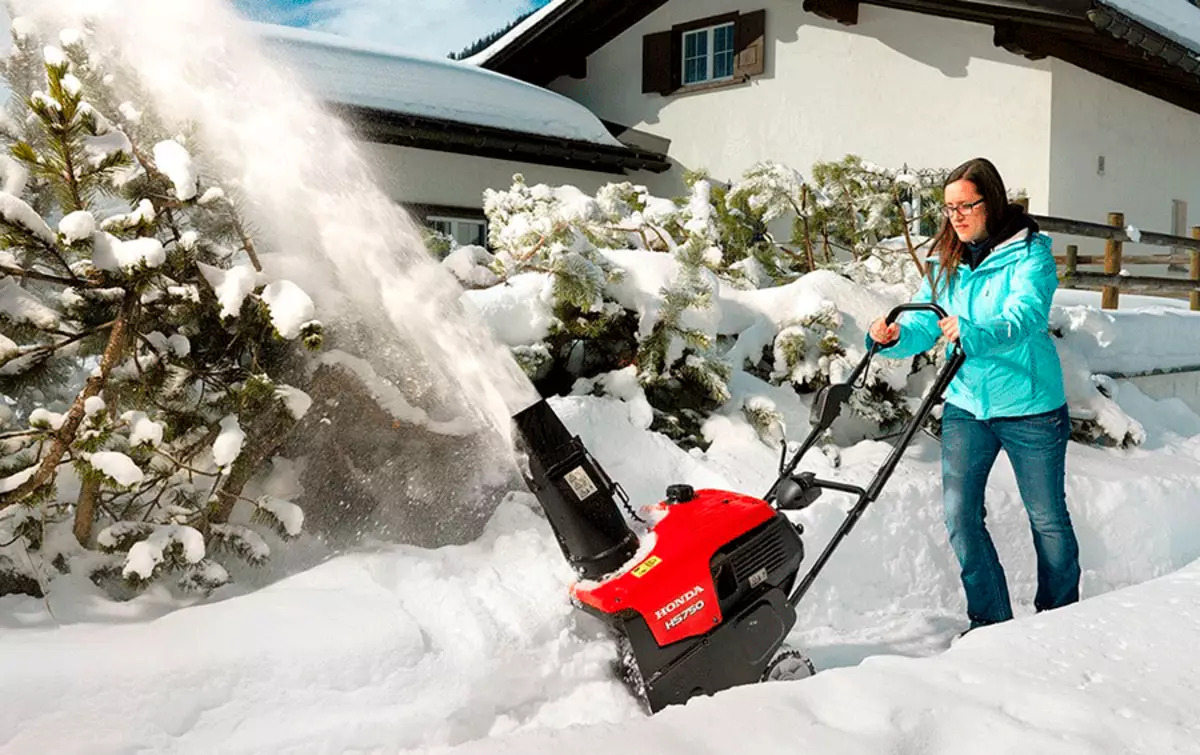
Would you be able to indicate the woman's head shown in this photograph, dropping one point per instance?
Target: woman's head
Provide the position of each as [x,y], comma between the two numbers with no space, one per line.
[975,200]
[975,203]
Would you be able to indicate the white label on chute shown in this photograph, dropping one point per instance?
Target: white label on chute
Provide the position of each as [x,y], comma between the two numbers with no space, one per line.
[580,483]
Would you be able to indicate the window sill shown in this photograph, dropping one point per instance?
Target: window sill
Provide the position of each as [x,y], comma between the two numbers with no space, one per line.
[709,86]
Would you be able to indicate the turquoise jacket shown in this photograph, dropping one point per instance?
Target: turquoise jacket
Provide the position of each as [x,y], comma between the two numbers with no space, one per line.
[1012,368]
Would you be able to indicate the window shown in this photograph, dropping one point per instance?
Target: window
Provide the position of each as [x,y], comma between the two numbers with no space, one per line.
[464,231]
[708,54]
[717,51]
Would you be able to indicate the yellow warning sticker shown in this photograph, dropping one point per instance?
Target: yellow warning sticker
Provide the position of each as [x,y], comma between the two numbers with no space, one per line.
[641,569]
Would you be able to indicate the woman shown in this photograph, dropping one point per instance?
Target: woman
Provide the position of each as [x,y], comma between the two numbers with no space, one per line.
[995,276]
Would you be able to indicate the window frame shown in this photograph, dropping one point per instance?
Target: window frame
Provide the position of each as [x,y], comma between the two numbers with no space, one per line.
[710,54]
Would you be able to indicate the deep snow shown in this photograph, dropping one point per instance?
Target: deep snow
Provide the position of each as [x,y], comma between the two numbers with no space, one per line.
[399,649]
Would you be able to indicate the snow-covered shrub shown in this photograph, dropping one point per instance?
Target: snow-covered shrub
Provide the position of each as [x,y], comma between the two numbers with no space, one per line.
[570,237]
[143,351]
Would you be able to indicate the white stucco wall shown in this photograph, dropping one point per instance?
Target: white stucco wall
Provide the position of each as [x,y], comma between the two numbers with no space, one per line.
[1151,150]
[896,88]
[428,177]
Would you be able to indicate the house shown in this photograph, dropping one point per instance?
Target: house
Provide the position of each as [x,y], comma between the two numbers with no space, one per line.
[439,132]
[1090,107]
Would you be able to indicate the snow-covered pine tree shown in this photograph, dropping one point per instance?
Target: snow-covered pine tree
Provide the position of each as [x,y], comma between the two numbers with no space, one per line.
[866,205]
[143,353]
[767,192]
[684,378]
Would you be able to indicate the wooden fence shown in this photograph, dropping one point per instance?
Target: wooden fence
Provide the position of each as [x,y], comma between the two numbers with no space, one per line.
[1111,282]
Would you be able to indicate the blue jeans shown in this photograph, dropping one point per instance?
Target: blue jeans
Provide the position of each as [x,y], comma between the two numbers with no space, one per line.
[1036,446]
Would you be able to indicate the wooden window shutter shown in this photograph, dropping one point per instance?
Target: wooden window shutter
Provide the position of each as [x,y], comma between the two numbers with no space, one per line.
[751,44]
[657,62]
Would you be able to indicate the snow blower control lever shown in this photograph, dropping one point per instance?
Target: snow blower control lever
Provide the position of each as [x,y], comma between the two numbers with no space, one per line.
[707,600]
[800,491]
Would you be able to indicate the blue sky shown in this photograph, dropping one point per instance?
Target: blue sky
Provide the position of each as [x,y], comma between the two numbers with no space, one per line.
[426,27]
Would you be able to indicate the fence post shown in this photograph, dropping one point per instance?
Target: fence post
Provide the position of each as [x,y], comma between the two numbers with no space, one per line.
[1109,298]
[1072,264]
[1195,272]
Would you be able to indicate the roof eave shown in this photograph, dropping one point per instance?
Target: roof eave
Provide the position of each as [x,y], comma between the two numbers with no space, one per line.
[424,132]
[1147,40]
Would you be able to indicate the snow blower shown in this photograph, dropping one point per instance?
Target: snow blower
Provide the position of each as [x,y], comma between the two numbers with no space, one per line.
[707,601]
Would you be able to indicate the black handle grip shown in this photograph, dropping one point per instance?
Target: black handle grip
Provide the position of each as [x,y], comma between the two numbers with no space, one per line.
[915,307]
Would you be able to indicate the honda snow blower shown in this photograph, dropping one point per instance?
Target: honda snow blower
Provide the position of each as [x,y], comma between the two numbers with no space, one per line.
[708,601]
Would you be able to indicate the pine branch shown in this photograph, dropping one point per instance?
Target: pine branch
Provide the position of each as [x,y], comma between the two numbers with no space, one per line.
[18,272]
[66,434]
[49,349]
[912,253]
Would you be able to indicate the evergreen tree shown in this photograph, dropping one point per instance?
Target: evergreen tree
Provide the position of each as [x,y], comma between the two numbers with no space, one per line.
[142,350]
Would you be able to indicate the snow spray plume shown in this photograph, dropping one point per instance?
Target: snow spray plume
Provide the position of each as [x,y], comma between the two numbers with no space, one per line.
[318,214]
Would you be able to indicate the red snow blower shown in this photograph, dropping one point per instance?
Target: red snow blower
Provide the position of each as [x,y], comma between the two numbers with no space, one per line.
[708,600]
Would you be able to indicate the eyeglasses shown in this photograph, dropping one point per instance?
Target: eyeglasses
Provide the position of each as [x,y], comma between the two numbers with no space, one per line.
[964,209]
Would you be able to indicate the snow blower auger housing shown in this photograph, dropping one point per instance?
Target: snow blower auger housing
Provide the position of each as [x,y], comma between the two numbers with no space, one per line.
[706,602]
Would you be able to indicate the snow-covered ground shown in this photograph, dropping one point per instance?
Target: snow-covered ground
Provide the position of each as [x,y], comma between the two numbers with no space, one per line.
[398,649]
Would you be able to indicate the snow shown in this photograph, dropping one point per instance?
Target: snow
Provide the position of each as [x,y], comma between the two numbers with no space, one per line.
[15,211]
[72,85]
[173,159]
[1177,19]
[93,405]
[116,465]
[42,415]
[212,194]
[99,147]
[147,554]
[470,265]
[534,20]
[1129,341]
[390,398]
[142,429]
[112,254]
[53,56]
[15,175]
[24,27]
[386,79]
[289,514]
[20,306]
[291,308]
[297,401]
[231,286]
[229,441]
[70,37]
[518,312]
[14,481]
[257,548]
[77,226]
[475,648]
[143,213]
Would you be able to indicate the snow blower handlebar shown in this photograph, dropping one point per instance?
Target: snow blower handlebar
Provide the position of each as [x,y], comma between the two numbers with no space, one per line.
[799,491]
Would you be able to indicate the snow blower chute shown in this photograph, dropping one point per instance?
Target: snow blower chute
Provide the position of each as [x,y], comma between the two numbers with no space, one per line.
[710,600]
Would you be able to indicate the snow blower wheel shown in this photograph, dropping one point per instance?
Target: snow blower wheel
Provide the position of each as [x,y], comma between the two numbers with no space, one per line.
[788,665]
[711,603]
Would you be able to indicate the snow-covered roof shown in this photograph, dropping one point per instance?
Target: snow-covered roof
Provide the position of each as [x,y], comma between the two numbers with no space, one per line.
[535,19]
[1177,19]
[383,78]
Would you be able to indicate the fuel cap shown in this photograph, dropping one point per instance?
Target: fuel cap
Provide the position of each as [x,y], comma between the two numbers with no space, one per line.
[680,493]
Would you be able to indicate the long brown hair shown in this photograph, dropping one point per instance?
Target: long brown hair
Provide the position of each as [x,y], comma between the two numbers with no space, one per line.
[946,245]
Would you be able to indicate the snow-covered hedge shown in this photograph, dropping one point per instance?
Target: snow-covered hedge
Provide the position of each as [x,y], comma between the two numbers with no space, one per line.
[691,308]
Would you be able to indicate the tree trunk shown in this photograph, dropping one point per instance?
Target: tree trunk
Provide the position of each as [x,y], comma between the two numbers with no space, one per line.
[66,434]
[264,441]
[85,511]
